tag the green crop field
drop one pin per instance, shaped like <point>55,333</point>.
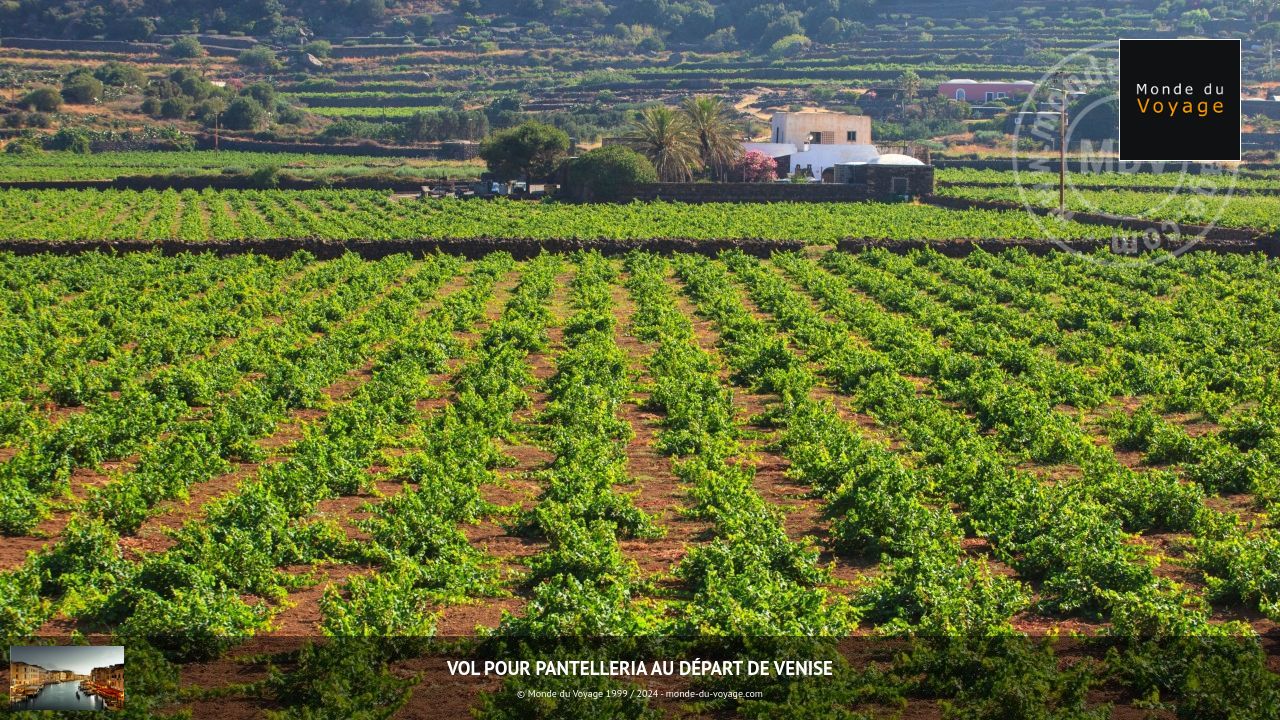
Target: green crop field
<point>60,215</point>
<point>1213,204</point>
<point>309,446</point>
<point>1172,178</point>
<point>368,113</point>
<point>202,453</point>
<point>53,166</point>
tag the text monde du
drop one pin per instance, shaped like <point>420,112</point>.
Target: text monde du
<point>1179,90</point>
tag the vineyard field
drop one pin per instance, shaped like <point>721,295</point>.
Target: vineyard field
<point>1172,177</point>
<point>67,166</point>
<point>201,456</point>
<point>1210,204</point>
<point>204,216</point>
<point>381,360</point>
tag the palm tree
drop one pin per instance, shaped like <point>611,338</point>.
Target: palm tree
<point>714,132</point>
<point>664,136</point>
<point>908,86</point>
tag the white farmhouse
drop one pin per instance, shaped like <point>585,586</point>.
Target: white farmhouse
<point>816,142</point>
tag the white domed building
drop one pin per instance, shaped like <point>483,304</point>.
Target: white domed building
<point>892,159</point>
<point>892,175</point>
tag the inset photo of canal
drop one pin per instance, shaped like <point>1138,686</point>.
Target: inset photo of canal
<point>66,677</point>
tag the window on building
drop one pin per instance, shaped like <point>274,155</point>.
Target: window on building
<point>990,96</point>
<point>815,138</point>
<point>900,186</point>
<point>851,135</point>
<point>960,94</point>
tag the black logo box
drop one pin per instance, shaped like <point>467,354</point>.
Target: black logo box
<point>1186,68</point>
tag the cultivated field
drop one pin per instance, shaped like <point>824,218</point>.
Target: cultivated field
<point>203,455</point>
<point>64,166</point>
<point>209,215</point>
<point>259,426</point>
<point>1209,205</point>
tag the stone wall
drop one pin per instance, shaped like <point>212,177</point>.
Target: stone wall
<point>962,247</point>
<point>123,46</point>
<point>1267,108</point>
<point>1138,225</point>
<point>878,181</point>
<point>1075,165</point>
<point>1260,141</point>
<point>520,248</point>
<point>120,46</point>
<point>439,151</point>
<point>224,182</point>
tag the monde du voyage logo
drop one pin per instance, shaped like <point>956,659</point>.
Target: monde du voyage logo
<point>1178,107</point>
<point>1180,100</point>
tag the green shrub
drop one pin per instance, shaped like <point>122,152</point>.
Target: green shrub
<point>343,679</point>
<point>82,90</point>
<point>175,108</point>
<point>265,177</point>
<point>43,99</point>
<point>195,624</point>
<point>23,146</point>
<point>263,92</point>
<point>383,605</point>
<point>186,47</point>
<point>789,45</point>
<point>261,58</point>
<point>605,173</point>
<point>528,151</point>
<point>319,48</point>
<point>244,113</point>
<point>120,74</point>
<point>72,140</point>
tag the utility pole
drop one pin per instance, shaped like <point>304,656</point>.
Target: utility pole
<point>1062,144</point>
<point>1062,157</point>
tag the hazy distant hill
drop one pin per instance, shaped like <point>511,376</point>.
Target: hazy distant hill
<point>696,24</point>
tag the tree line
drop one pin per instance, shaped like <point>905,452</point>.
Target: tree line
<point>698,140</point>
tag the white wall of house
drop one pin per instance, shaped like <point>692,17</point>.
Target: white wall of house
<point>817,140</point>
<point>816,157</point>
<point>819,128</point>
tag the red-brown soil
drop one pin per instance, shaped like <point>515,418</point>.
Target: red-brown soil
<point>656,488</point>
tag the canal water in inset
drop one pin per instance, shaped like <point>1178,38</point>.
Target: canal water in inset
<point>61,696</point>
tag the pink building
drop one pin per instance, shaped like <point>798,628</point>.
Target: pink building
<point>974,91</point>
